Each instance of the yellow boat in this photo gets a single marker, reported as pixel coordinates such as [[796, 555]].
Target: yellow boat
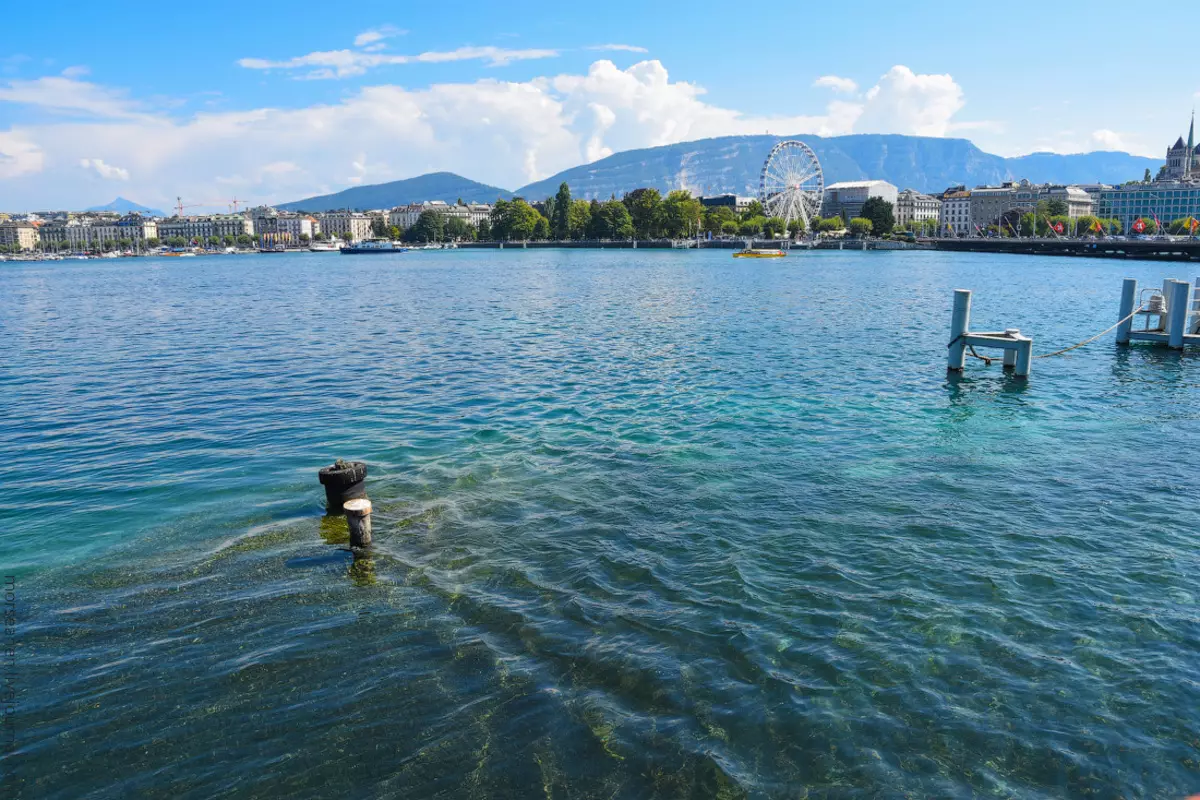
[[755, 252]]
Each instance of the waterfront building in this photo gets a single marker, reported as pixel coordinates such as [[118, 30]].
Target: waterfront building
[[739, 205], [1164, 201], [282, 227], [404, 217], [84, 232], [338, 223], [846, 199], [955, 219], [912, 206], [20, 233], [138, 229], [201, 228]]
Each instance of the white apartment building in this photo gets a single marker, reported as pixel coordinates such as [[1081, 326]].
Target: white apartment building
[[338, 223], [846, 199], [22, 234], [955, 219], [282, 227], [404, 217], [912, 206], [84, 233], [201, 228]]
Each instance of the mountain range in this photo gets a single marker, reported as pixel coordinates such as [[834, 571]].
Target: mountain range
[[123, 206], [444, 186], [732, 164]]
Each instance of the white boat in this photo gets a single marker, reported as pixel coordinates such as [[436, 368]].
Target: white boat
[[324, 247]]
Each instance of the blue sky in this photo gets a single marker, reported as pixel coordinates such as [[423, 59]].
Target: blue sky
[[270, 103]]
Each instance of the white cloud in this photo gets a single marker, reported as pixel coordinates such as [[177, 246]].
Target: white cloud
[[65, 95], [1109, 140], [505, 133], [843, 85], [18, 155], [348, 63], [377, 35], [904, 102], [107, 171], [628, 48], [75, 72]]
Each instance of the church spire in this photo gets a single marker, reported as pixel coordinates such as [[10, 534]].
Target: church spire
[[1191, 147]]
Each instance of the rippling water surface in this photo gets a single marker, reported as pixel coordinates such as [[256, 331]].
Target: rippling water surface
[[648, 524]]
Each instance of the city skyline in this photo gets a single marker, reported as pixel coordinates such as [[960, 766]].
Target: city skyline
[[271, 112]]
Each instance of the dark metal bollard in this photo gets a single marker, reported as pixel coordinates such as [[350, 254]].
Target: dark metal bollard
[[343, 481]]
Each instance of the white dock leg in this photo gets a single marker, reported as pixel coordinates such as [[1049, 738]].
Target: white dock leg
[[960, 321], [1010, 356], [1128, 293], [1181, 295], [1165, 319], [1024, 359]]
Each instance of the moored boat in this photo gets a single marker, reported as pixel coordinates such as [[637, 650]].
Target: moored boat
[[373, 246], [759, 252]]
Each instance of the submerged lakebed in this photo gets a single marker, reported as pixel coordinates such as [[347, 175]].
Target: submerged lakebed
[[647, 524]]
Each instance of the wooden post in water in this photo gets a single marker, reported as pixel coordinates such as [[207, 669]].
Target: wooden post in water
[[1177, 303], [1128, 297], [358, 515], [960, 320]]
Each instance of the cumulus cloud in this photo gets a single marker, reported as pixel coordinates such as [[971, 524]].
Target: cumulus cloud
[[376, 35], [107, 171], [328, 64], [505, 133], [905, 102], [843, 85], [628, 48], [1109, 140], [19, 156]]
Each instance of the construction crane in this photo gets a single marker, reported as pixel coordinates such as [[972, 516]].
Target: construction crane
[[232, 204]]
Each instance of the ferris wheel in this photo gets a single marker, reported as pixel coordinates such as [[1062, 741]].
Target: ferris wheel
[[792, 183]]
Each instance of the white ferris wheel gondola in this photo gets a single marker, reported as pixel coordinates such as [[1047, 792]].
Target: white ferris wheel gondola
[[792, 184]]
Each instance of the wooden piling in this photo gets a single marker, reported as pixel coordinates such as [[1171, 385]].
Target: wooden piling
[[358, 515]]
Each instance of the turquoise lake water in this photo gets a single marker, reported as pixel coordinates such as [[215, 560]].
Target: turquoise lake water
[[648, 524]]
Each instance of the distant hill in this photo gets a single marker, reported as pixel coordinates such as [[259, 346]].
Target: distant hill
[[445, 186], [732, 164], [123, 206]]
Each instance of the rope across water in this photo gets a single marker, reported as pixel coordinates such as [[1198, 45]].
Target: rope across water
[[1092, 339]]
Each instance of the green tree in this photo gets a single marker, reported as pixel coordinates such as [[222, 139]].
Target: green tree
[[347, 237], [1181, 227], [458, 229], [378, 226], [861, 226], [774, 227], [730, 227], [1146, 178], [484, 231], [429, 227], [645, 209], [681, 214], [611, 220], [560, 214], [153, 242], [831, 225], [498, 219], [394, 233], [244, 240], [796, 227], [229, 241], [304, 238], [320, 237], [214, 241], [125, 242], [541, 228], [754, 209], [579, 217], [879, 212], [752, 226], [715, 218]]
